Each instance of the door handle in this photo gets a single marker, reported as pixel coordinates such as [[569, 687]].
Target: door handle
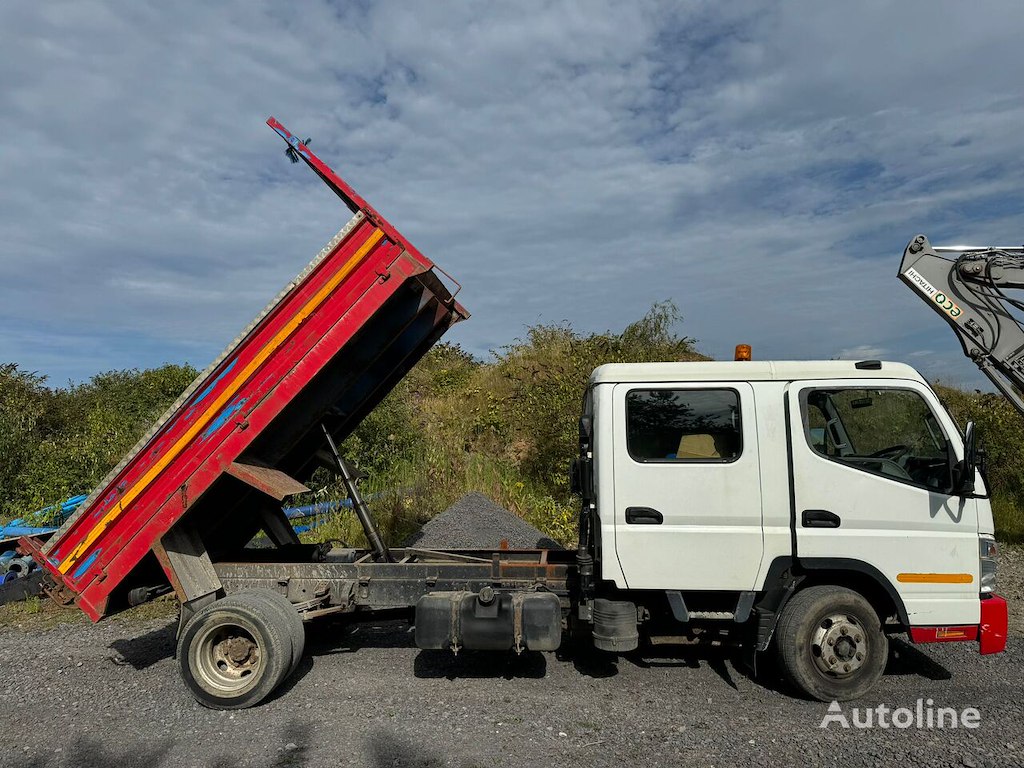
[[643, 516], [820, 518]]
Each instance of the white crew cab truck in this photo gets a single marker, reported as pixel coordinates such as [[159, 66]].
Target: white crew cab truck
[[815, 506], [811, 506]]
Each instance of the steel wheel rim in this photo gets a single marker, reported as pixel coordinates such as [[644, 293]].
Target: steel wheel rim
[[227, 659], [839, 645]]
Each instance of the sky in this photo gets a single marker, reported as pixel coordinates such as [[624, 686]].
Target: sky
[[761, 165]]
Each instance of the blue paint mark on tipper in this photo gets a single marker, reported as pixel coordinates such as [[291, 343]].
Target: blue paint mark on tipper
[[100, 507], [229, 411], [80, 570], [103, 506], [206, 392], [55, 560]]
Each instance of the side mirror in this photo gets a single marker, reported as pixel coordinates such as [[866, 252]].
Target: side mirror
[[586, 429], [963, 471]]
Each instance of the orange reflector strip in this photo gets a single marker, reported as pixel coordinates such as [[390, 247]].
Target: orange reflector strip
[[935, 578]]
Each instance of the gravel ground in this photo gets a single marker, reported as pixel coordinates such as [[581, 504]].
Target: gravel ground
[[84, 695], [1011, 583], [108, 694], [476, 522]]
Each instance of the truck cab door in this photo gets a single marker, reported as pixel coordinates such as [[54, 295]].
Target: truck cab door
[[872, 489], [687, 486]]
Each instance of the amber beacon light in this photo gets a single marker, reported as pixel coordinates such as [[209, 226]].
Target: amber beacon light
[[742, 352]]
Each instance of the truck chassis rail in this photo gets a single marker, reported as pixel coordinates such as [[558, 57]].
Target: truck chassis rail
[[348, 580]]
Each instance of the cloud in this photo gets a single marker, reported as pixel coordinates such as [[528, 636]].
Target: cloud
[[762, 167]]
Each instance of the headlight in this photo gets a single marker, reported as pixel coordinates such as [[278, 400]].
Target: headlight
[[987, 556]]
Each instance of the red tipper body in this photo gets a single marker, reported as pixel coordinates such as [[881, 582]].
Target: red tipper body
[[324, 352]]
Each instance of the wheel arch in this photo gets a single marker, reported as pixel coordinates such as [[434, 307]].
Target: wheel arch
[[859, 576], [787, 576]]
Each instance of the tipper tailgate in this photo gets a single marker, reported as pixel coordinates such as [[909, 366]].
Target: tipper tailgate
[[325, 351]]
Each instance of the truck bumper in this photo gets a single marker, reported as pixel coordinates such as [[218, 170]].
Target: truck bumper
[[990, 633], [994, 622]]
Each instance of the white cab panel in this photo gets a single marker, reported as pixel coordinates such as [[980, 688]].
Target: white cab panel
[[920, 539], [710, 536]]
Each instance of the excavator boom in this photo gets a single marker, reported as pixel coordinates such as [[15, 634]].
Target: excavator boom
[[967, 286]]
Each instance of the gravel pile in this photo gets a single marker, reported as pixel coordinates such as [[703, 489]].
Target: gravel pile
[[476, 522]]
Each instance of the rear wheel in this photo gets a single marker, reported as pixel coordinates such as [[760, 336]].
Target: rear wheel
[[831, 643], [292, 624], [235, 652]]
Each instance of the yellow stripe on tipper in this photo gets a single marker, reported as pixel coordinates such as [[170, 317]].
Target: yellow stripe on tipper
[[935, 578], [132, 493]]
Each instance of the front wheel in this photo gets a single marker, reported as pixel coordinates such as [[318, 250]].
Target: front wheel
[[831, 643]]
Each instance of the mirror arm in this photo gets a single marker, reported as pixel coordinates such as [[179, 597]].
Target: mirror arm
[[964, 470]]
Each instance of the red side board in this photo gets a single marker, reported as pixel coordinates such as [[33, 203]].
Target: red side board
[[360, 276]]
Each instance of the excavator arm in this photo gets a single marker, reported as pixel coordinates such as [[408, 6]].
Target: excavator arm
[[967, 286]]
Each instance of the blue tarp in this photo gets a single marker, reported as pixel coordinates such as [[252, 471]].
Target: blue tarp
[[56, 514]]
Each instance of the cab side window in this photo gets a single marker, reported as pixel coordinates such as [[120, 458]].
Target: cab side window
[[890, 432], [683, 425]]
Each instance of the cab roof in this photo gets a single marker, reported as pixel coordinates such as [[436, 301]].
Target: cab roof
[[761, 370]]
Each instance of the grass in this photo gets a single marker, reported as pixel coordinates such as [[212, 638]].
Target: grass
[[37, 613], [40, 613]]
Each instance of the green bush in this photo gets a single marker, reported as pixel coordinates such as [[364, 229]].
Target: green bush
[[25, 404], [70, 438]]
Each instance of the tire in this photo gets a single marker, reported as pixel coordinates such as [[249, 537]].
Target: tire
[[235, 652], [292, 622], [831, 644]]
